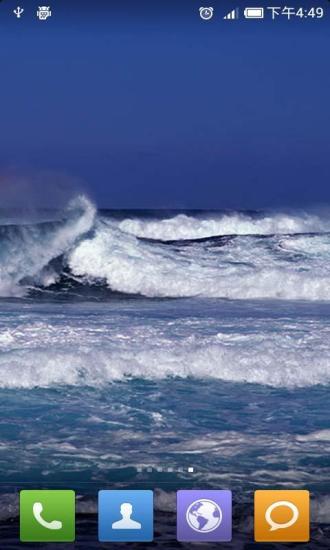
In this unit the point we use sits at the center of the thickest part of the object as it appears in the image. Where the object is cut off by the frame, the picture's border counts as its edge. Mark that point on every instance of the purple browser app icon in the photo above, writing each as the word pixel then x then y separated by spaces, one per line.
pixel 204 516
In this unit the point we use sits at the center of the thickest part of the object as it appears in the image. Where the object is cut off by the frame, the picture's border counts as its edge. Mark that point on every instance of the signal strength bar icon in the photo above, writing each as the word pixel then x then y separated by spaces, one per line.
pixel 232 14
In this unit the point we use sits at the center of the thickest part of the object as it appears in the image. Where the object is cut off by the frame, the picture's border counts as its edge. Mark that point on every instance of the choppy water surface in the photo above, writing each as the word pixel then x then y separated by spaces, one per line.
pixel 128 342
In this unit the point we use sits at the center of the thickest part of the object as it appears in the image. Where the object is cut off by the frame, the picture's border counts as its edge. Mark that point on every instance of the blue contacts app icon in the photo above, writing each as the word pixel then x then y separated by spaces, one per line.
pixel 126 516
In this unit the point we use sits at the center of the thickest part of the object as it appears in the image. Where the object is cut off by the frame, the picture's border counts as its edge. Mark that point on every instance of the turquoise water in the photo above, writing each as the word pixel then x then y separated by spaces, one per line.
pixel 94 399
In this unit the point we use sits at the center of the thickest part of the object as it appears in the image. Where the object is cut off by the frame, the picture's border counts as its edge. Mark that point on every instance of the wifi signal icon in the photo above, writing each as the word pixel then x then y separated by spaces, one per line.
pixel 232 14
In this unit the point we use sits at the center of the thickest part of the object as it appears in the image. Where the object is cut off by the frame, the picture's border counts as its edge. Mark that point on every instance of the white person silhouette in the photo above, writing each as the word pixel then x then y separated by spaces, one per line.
pixel 126 510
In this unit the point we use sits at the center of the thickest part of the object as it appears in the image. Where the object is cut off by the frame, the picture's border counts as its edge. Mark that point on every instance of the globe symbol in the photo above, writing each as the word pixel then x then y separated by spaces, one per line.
pixel 204 515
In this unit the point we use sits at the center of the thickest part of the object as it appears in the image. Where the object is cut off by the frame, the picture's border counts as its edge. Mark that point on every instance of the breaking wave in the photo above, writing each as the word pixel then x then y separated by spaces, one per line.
pixel 26 251
pixel 234 256
pixel 274 365
pixel 183 227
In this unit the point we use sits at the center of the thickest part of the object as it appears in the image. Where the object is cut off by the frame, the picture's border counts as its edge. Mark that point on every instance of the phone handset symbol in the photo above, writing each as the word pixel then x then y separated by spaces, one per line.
pixel 37 511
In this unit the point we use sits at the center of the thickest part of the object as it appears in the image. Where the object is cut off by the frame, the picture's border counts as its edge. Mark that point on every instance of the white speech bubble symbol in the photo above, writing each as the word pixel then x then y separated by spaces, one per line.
pixel 268 515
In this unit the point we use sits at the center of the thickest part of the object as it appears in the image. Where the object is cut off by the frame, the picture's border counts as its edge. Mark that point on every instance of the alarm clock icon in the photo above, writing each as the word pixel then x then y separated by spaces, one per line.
pixel 206 13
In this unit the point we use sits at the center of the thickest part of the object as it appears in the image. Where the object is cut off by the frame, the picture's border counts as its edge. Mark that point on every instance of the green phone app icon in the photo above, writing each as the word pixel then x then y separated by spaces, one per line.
pixel 47 516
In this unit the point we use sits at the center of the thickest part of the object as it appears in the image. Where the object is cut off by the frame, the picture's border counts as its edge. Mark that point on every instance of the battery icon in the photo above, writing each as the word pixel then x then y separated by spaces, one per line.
pixel 254 13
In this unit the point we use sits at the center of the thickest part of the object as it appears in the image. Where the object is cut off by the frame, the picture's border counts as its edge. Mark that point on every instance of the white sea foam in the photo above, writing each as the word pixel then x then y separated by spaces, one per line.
pixel 314 245
pixel 29 249
pixel 278 361
pixel 188 227
pixel 320 435
pixel 245 268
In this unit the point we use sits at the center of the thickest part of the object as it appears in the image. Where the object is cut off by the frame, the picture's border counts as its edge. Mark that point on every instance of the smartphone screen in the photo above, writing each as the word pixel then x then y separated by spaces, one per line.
pixel 164 274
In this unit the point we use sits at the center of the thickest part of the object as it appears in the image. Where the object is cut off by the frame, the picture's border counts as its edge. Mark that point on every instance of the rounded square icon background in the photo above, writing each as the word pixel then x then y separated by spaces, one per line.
pixel 266 531
pixel 110 502
pixel 57 505
pixel 222 533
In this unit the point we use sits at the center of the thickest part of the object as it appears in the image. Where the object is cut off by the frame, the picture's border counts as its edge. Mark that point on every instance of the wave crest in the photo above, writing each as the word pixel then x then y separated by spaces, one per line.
pixel 183 227
pixel 27 250
pixel 99 252
pixel 274 365
pixel 245 268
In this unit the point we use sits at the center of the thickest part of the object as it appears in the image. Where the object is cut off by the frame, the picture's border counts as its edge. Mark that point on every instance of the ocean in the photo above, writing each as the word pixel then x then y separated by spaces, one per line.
pixel 135 345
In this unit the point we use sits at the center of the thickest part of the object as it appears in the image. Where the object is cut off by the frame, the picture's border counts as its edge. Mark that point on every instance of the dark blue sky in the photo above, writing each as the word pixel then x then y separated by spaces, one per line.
pixel 147 106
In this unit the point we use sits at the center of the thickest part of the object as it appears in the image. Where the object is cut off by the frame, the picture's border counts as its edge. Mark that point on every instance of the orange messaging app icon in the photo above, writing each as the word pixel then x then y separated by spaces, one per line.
pixel 281 516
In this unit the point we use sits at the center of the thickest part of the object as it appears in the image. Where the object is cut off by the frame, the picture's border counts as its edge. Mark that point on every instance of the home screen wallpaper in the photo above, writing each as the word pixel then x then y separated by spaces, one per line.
pixel 164 260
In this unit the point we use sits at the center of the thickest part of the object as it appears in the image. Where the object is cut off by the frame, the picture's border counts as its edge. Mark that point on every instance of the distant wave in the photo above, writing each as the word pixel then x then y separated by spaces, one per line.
pixel 91 251
pixel 187 227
